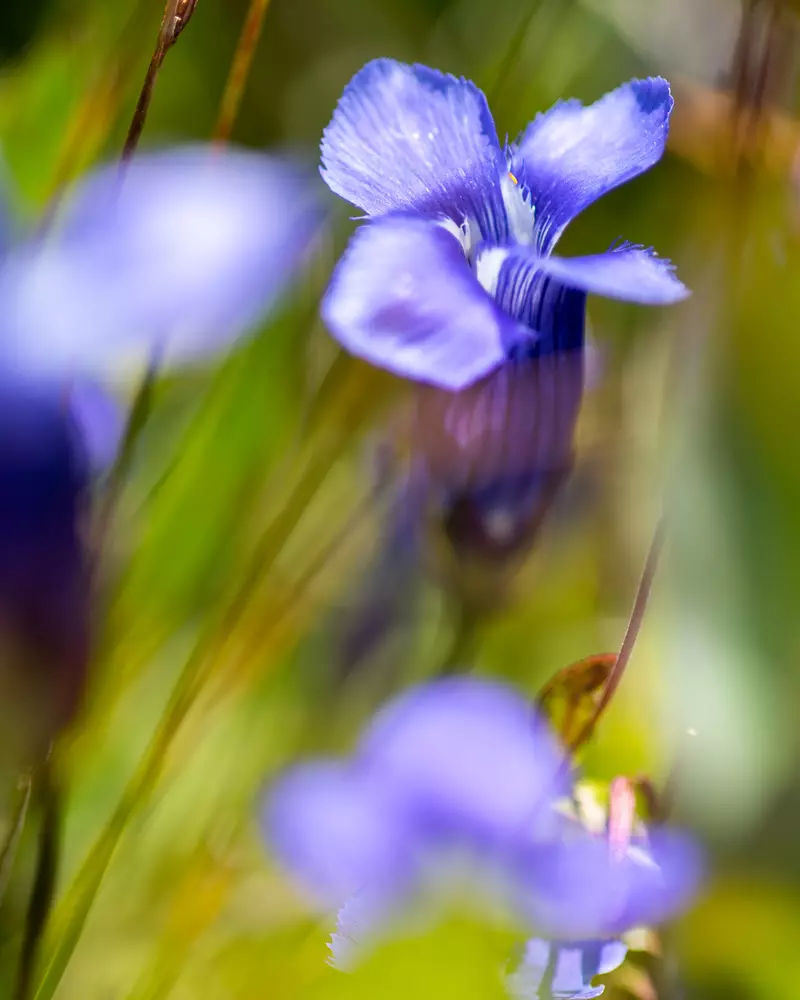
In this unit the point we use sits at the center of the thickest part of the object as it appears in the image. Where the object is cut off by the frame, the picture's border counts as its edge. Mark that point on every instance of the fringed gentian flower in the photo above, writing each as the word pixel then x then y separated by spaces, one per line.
pixel 460 779
pixel 174 257
pixel 455 272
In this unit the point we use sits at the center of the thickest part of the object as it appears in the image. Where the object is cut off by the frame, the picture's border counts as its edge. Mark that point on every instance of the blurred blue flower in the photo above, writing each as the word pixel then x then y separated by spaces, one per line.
pixel 455 273
pixel 582 887
pixel 458 781
pixel 44 574
pixel 176 255
pixel 422 784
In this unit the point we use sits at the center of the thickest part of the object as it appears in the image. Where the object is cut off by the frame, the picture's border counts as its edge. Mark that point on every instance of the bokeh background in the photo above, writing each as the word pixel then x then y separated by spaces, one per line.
pixel 260 502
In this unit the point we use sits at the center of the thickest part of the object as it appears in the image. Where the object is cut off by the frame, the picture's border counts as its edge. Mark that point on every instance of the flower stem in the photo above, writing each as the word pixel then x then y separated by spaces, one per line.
pixel 176 17
pixel 631 634
pixel 240 70
pixel 15 827
pixel 45 792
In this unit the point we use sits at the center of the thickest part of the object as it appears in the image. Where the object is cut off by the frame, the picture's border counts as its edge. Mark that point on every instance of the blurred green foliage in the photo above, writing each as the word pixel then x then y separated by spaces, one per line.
pixel 247 519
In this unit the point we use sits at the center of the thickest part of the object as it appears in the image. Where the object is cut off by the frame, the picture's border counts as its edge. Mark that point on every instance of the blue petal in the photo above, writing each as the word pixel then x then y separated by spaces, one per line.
pixel 580 889
pixel 177 256
pixel 501 444
pixel 468 757
pixel 44 579
pixel 628 272
pixel 100 420
pixel 404 298
pixel 553 311
pixel 572 155
pixel 409 137
pixel 360 923
pixel 334 834
pixel 518 280
pixel 563 970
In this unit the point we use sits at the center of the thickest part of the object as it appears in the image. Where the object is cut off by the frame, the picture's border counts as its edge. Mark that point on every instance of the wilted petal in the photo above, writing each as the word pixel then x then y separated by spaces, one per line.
pixel 409 137
pixel 334 834
pixel 177 256
pixel 571 155
pixel 564 970
pixel 403 297
pixel 469 757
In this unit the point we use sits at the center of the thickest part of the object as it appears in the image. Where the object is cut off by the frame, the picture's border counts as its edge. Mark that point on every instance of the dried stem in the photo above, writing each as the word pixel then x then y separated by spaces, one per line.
pixel 176 16
pixel 240 70
pixel 631 634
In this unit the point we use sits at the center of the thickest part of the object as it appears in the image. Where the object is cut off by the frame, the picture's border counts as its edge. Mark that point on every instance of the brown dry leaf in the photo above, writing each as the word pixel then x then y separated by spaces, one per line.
pixel 570 697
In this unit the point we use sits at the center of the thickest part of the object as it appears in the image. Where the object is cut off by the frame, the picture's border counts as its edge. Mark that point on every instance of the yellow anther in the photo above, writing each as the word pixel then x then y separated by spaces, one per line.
pixel 513 178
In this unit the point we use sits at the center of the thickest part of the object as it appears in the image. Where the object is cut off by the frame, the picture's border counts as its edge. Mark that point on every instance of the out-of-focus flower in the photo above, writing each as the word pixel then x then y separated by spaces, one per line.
pixel 175 256
pixel 44 575
pixel 580 887
pixel 458 782
pixel 564 970
pixel 455 273
pixel 422 783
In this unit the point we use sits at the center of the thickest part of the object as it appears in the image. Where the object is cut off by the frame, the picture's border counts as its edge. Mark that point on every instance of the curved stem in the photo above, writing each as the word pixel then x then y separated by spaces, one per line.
pixel 176 16
pixel 631 634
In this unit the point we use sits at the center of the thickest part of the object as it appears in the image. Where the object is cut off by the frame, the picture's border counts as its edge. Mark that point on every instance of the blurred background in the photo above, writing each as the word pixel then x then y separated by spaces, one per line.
pixel 270 533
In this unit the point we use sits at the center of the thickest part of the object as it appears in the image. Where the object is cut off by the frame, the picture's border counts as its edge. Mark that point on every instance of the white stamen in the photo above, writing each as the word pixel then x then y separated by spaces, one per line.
pixel 519 211
pixel 465 233
pixel 487 268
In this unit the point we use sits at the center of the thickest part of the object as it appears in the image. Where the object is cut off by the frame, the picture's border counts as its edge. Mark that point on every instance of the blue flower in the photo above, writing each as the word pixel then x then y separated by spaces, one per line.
pixel 175 257
pixel 455 271
pixel 455 781
pixel 421 783
pixel 495 454
pixel 44 572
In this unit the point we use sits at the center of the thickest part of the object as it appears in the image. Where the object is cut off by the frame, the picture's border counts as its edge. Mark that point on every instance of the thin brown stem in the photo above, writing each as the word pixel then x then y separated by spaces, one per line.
pixel 240 70
pixel 631 634
pixel 176 16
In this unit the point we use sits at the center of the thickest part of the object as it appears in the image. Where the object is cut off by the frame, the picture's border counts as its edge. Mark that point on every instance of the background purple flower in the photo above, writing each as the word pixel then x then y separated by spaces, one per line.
pixel 45 620
pixel 422 783
pixel 459 778
pixel 455 271
pixel 441 749
pixel 580 887
pixel 177 255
